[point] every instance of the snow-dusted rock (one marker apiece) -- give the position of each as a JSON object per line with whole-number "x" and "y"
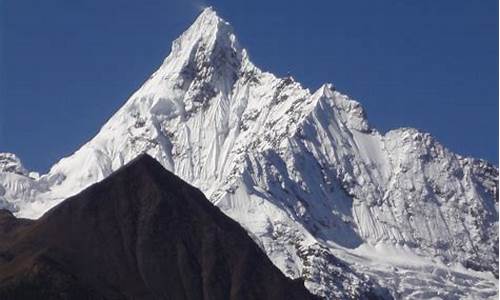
{"x": 17, "y": 185}
{"x": 9, "y": 162}
{"x": 303, "y": 172}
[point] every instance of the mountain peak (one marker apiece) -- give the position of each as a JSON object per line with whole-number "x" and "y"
{"x": 209, "y": 22}
{"x": 204, "y": 61}
{"x": 143, "y": 159}
{"x": 206, "y": 33}
{"x": 209, "y": 13}
{"x": 9, "y": 162}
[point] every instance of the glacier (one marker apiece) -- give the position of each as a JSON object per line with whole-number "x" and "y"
{"x": 327, "y": 196}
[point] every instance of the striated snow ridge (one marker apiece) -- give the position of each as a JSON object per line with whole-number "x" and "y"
{"x": 326, "y": 195}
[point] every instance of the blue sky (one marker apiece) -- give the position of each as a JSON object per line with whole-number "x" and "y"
{"x": 67, "y": 66}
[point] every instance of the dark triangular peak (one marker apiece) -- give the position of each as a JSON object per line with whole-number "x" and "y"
{"x": 142, "y": 233}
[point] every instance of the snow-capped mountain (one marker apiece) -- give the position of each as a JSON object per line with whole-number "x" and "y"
{"x": 327, "y": 196}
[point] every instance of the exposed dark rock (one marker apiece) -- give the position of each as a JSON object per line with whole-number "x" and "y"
{"x": 142, "y": 233}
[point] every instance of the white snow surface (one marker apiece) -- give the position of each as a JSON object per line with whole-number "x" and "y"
{"x": 328, "y": 197}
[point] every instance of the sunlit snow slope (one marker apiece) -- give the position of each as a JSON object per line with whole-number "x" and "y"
{"x": 303, "y": 172}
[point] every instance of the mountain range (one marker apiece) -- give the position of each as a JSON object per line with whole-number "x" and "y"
{"x": 328, "y": 197}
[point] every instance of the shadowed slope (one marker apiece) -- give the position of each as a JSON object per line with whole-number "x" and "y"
{"x": 142, "y": 233}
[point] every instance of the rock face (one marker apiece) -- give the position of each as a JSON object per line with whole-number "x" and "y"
{"x": 142, "y": 233}
{"x": 305, "y": 173}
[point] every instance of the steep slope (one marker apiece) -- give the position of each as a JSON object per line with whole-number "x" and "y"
{"x": 142, "y": 233}
{"x": 303, "y": 172}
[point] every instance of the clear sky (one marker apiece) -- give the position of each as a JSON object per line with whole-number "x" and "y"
{"x": 67, "y": 66}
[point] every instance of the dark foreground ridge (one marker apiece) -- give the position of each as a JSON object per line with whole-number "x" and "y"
{"x": 142, "y": 233}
